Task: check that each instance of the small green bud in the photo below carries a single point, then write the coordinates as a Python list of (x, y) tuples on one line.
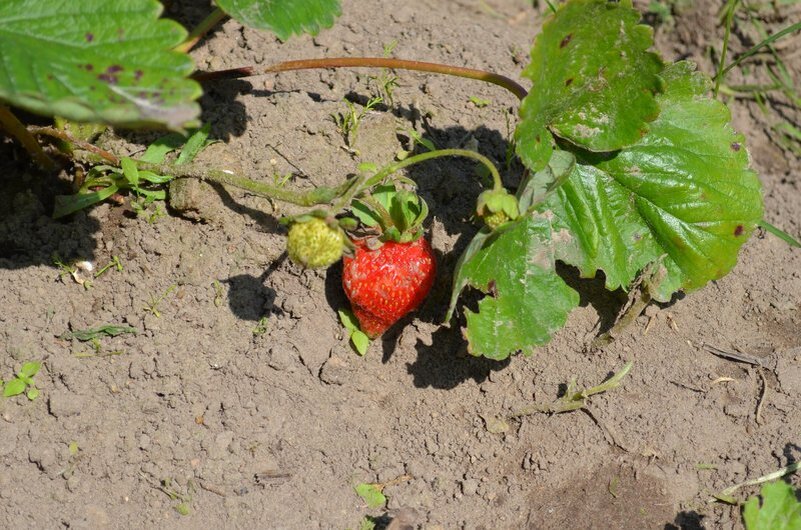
[(496, 207)]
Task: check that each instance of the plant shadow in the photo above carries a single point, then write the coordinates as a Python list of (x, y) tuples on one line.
[(689, 520), (29, 235), (249, 298)]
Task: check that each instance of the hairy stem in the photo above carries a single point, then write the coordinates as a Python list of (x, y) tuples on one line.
[(368, 62), (214, 18), (15, 128), (86, 146), (422, 157), (321, 195)]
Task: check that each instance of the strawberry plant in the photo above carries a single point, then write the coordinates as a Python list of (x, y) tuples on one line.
[(632, 167)]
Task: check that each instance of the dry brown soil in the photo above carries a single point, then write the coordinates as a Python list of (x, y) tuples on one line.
[(239, 392)]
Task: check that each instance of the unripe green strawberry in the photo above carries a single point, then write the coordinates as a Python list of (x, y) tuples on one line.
[(385, 284), (495, 219), (314, 243), (496, 207)]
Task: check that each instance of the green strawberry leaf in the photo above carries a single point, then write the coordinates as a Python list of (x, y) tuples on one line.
[(371, 494), (460, 279), (14, 387), (537, 186), (780, 510), (96, 61), (283, 17), (594, 81), (681, 202), (527, 300)]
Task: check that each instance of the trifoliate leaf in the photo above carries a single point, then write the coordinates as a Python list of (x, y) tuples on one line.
[(96, 60), (283, 17), (527, 300), (780, 510), (682, 200), (594, 81)]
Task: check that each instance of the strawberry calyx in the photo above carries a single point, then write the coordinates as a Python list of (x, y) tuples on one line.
[(397, 214), (497, 207)]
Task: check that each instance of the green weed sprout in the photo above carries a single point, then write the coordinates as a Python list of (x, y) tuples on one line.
[(23, 382)]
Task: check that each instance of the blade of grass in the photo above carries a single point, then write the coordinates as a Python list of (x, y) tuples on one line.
[(781, 234), (726, 495), (730, 6), (755, 49)]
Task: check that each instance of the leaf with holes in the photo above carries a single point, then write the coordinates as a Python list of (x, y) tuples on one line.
[(96, 60), (680, 202), (594, 81), (283, 17), (527, 300)]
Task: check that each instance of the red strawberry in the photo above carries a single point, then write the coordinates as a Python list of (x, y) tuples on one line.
[(385, 284)]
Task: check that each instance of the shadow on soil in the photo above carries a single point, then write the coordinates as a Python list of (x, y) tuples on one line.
[(249, 298), (686, 521), (29, 236), (446, 362)]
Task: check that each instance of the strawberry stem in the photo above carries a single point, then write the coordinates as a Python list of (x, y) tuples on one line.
[(14, 128), (369, 62), (206, 25), (312, 197), (422, 157), (319, 195)]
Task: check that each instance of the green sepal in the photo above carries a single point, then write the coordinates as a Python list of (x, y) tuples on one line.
[(399, 213), (348, 223), (304, 217), (494, 201)]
